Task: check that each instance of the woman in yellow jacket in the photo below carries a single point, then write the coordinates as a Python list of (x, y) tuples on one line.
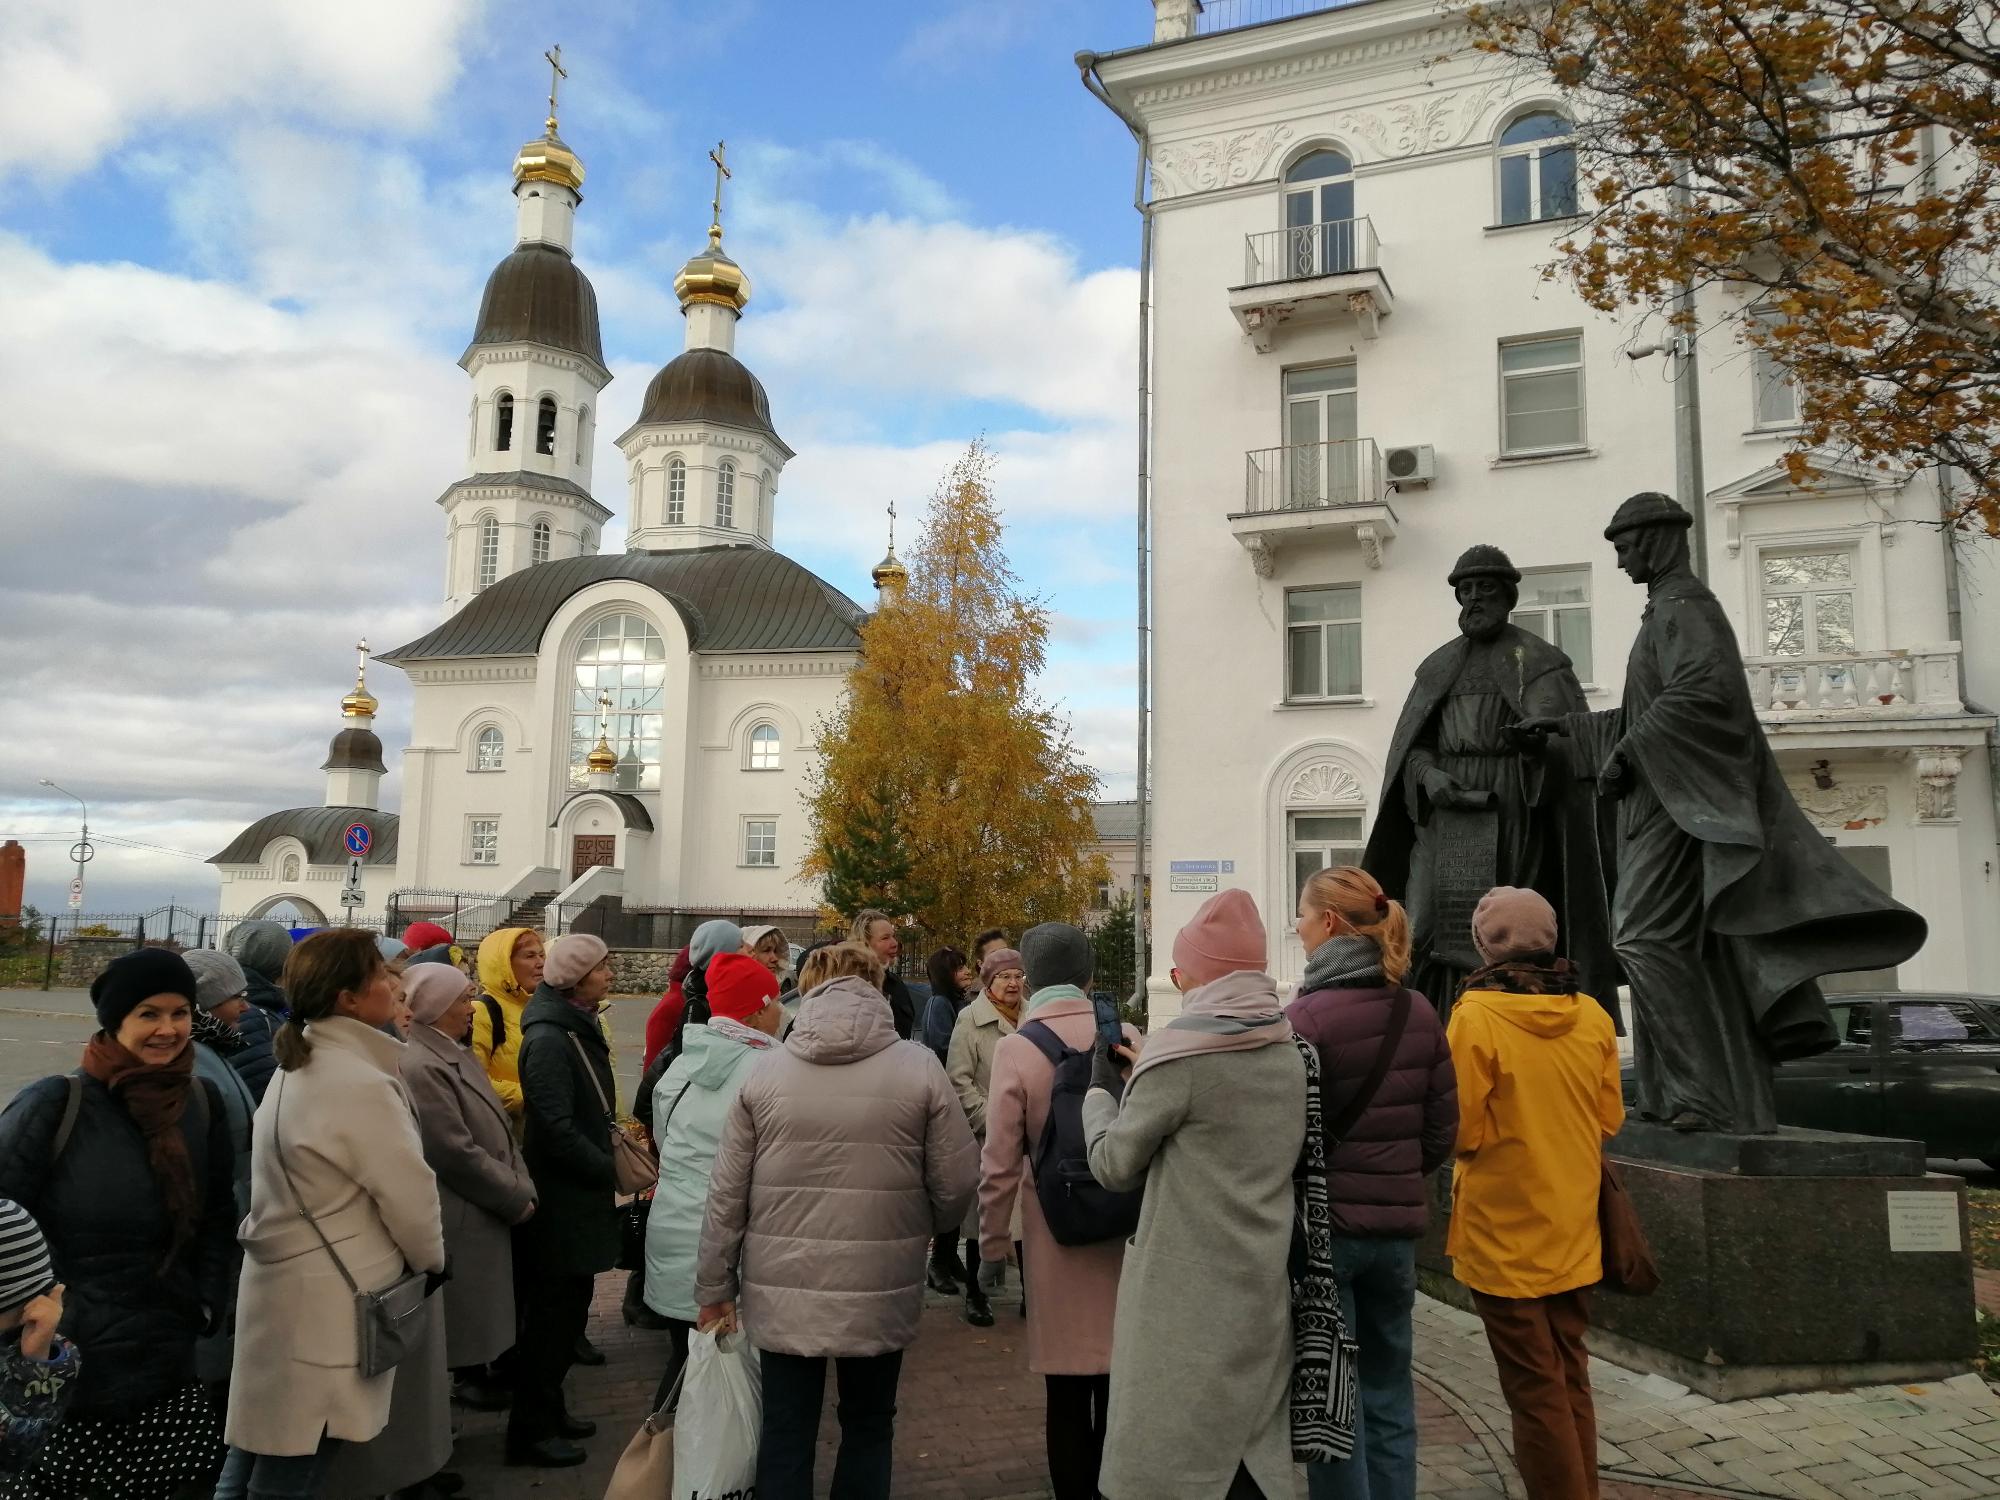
[(510, 966), (1538, 1095)]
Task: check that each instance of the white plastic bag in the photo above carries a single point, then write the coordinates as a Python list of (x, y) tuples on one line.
[(720, 1416)]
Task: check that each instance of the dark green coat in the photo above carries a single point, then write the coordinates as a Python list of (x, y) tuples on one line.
[(566, 1138)]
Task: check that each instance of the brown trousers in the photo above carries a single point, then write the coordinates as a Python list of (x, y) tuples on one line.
[(1537, 1344)]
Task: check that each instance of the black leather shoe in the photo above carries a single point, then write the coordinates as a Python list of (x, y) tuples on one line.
[(587, 1353), (940, 1279), (575, 1427), (549, 1453), (476, 1395), (978, 1311)]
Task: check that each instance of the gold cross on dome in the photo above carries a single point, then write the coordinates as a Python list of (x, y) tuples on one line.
[(720, 156), (603, 714), (556, 74), (892, 526), (361, 667)]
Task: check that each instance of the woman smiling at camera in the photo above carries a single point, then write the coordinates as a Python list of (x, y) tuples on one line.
[(126, 1165)]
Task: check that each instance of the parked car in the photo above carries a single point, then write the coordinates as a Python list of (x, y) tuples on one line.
[(1922, 1067)]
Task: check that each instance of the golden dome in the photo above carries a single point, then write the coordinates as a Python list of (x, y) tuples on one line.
[(549, 160), (890, 570), (360, 704), (602, 758), (711, 276)]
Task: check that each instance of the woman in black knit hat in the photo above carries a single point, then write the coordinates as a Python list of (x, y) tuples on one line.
[(126, 1164)]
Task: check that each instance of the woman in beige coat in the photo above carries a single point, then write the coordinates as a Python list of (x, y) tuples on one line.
[(337, 1138), (843, 1154), (975, 1040)]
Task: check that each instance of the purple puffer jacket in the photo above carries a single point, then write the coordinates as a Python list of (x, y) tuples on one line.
[(1375, 1176)]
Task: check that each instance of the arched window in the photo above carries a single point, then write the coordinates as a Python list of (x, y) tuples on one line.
[(725, 494), (545, 426), (538, 547), (289, 871), (582, 432), (503, 423), (489, 550), (677, 491), (764, 748), (1319, 214), (1537, 168), (491, 751), (624, 656)]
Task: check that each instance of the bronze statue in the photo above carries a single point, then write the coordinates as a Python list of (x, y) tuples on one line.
[(1465, 807), (1729, 906)]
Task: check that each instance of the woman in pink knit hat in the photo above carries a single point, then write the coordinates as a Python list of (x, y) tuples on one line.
[(1213, 1124)]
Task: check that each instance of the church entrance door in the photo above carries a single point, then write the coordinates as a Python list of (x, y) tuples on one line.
[(589, 850)]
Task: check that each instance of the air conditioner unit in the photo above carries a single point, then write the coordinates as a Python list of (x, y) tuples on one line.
[(1416, 464)]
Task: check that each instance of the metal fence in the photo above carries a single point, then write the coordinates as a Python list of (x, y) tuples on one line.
[(1306, 251), (1234, 15)]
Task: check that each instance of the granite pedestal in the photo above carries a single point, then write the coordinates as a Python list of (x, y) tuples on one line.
[(1846, 1265)]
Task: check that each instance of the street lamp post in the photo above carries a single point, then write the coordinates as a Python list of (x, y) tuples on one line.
[(82, 852)]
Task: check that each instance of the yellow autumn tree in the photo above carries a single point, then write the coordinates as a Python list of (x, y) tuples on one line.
[(947, 788), (1837, 161)]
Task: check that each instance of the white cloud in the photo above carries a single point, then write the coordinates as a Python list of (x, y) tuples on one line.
[(77, 77)]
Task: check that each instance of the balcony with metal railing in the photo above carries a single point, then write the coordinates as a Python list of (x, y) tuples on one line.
[(1863, 689), (1311, 273), (1306, 492)]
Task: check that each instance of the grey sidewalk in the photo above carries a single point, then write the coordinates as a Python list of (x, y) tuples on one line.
[(1939, 1441)]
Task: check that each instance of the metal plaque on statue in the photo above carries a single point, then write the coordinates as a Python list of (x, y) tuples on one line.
[(1467, 855)]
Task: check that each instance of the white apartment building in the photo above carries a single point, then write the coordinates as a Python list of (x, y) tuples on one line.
[(1358, 371)]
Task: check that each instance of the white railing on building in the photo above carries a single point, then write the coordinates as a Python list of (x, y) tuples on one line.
[(1902, 683), (1306, 251), (1312, 476)]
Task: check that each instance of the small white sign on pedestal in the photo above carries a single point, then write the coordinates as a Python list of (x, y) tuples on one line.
[(1924, 1221)]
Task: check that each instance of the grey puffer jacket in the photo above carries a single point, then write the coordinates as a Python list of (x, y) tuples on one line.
[(844, 1154)]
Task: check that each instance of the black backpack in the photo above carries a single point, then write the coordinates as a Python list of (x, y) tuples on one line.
[(1078, 1209)]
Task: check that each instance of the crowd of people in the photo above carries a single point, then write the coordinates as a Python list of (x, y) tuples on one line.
[(297, 1201)]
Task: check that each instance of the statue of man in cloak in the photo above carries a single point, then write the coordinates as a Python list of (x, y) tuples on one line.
[(1465, 807), (1729, 905)]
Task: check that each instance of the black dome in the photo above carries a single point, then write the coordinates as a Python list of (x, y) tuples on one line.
[(708, 385), (354, 750), (537, 294)]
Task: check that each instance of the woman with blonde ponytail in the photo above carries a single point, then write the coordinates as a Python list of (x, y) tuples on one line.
[(1391, 1103)]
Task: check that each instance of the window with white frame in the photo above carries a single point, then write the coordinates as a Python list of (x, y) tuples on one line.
[(540, 541), (760, 843), (764, 748), (1323, 462), (677, 491), (1555, 606), (482, 841), (1319, 214), (725, 493), (1809, 601), (489, 550), (1323, 643), (1541, 394), (490, 750), (1537, 168), (1319, 840), (624, 656), (1776, 395)]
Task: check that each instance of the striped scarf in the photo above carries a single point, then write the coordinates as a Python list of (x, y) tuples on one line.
[(1323, 1350)]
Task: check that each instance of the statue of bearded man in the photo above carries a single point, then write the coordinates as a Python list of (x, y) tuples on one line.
[(1466, 806)]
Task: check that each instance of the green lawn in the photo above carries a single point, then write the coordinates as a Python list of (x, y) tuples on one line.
[(1983, 1209)]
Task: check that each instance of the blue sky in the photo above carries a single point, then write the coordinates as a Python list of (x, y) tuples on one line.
[(241, 254)]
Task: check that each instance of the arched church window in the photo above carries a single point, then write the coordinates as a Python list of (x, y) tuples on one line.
[(491, 754), (622, 657), (538, 551), (290, 869), (503, 424), (764, 748), (677, 491), (725, 494), (545, 426), (489, 550), (582, 432)]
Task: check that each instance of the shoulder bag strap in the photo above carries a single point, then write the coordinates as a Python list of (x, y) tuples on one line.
[(1045, 1041), (662, 1136), (66, 1127), (1399, 1021), (278, 1150), (584, 1058)]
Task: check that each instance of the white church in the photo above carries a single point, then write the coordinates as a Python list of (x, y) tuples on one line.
[(635, 726)]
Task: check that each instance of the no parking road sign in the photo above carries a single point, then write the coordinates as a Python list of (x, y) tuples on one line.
[(357, 839)]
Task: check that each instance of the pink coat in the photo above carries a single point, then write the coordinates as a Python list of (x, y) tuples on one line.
[(1073, 1289)]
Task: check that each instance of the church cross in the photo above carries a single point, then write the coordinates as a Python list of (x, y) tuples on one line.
[(556, 74), (361, 667), (720, 156), (892, 526), (604, 715)]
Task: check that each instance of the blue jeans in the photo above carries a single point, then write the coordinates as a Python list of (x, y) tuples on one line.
[(1378, 1290), (265, 1476)]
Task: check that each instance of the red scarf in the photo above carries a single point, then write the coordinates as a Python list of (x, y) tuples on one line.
[(155, 1096)]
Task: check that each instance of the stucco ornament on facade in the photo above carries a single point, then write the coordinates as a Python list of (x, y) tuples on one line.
[(1416, 126), (1843, 807), (1325, 784), (1937, 768), (1220, 161)]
